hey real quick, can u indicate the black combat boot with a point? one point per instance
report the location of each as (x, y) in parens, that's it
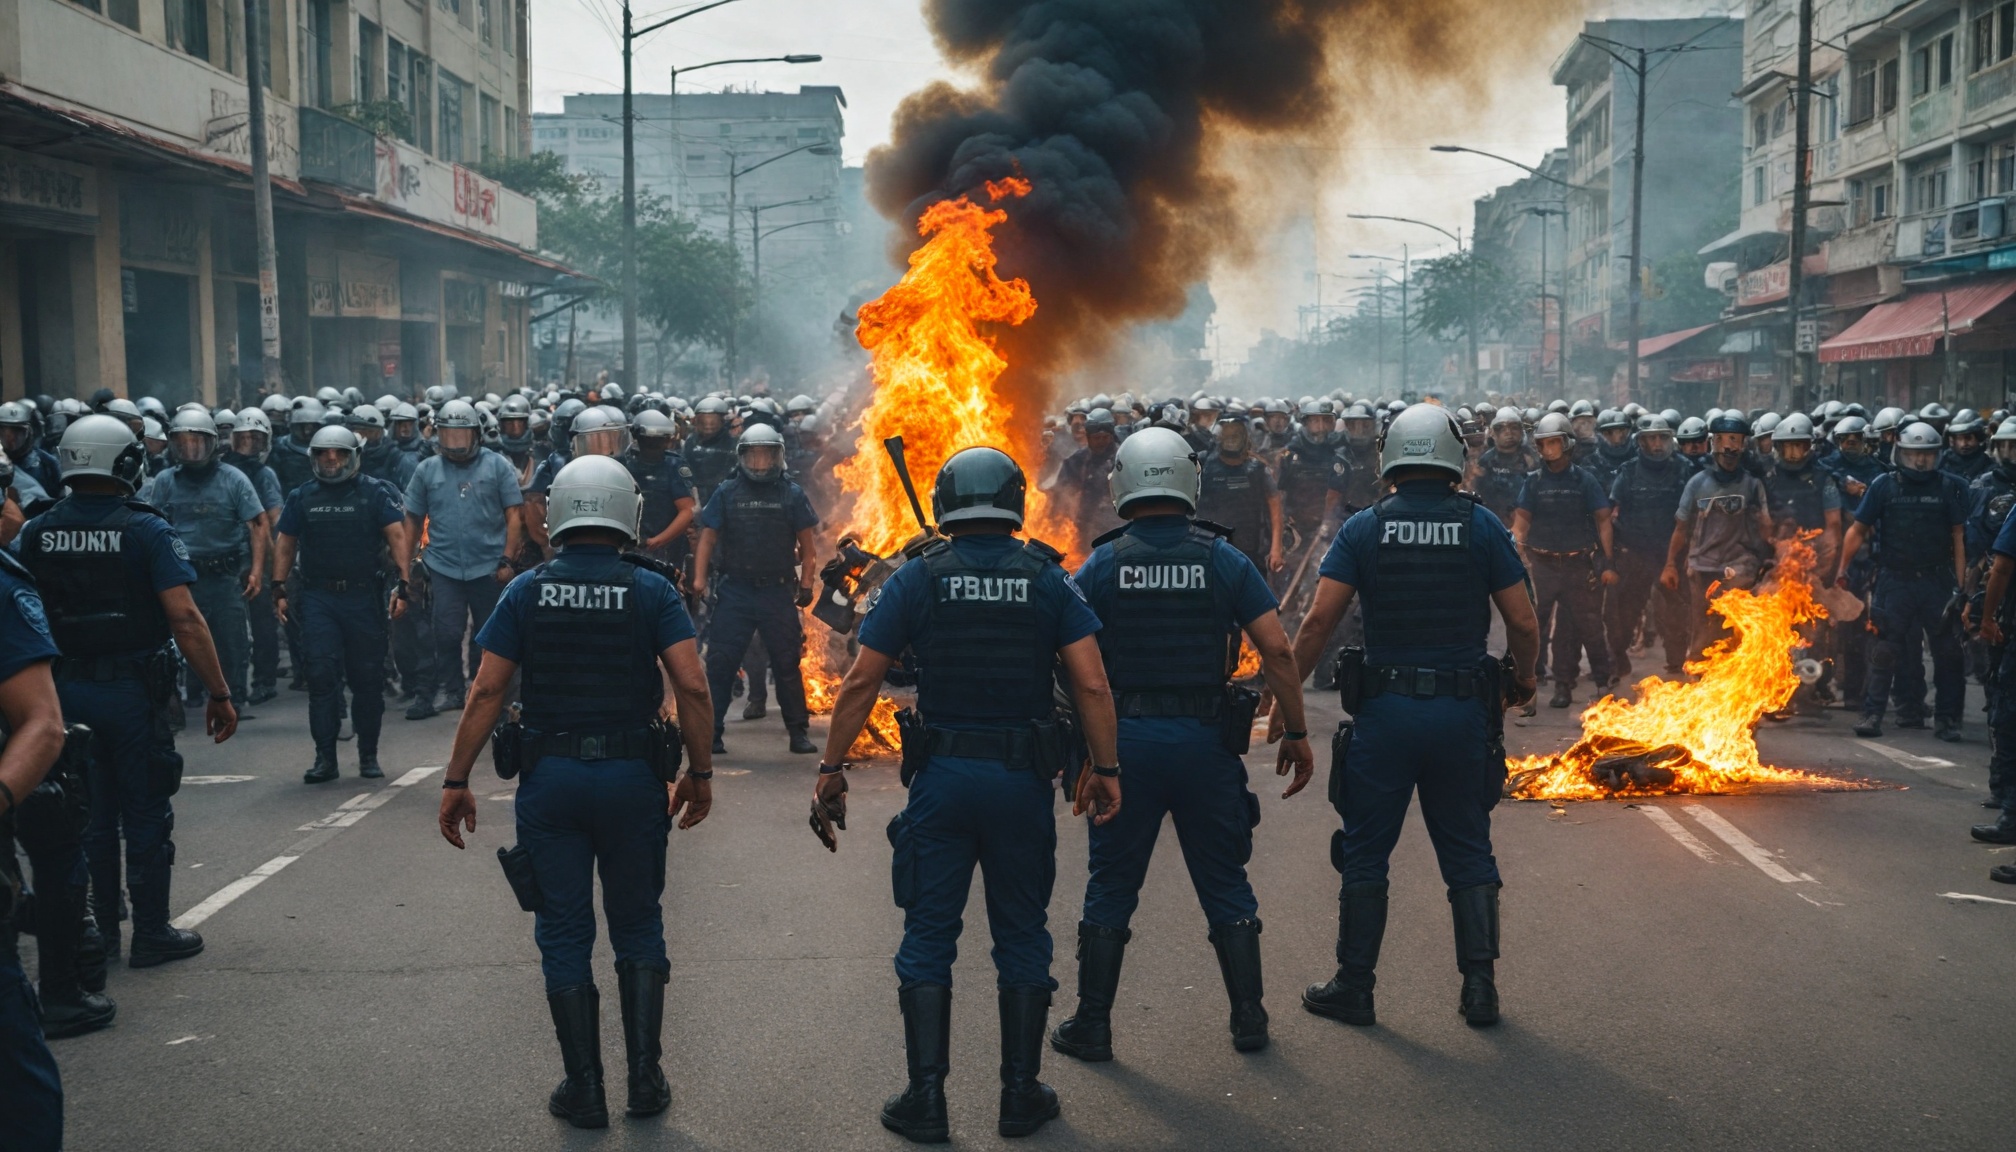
(642, 991)
(577, 1021)
(2003, 831)
(800, 743)
(1088, 1034)
(67, 1009)
(1361, 927)
(1475, 911)
(324, 769)
(1238, 946)
(1026, 1102)
(918, 1112)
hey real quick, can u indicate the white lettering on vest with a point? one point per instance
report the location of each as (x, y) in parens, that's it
(1162, 577)
(1422, 532)
(81, 540)
(593, 597)
(998, 589)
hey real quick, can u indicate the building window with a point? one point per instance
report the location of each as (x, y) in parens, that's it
(1757, 185)
(449, 143)
(1928, 185)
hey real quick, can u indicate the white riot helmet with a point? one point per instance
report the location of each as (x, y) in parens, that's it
(192, 435)
(599, 431)
(102, 446)
(593, 492)
(339, 438)
(1154, 463)
(1423, 436)
(759, 436)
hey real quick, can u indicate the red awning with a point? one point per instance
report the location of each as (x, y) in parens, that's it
(1913, 326)
(1650, 346)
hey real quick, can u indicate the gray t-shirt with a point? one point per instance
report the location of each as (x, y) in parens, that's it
(464, 506)
(209, 512)
(1724, 517)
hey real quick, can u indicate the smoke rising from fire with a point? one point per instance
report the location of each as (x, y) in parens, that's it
(1138, 123)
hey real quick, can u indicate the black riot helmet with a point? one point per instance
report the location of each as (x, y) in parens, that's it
(979, 484)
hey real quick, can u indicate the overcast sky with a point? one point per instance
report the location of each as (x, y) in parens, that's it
(879, 50)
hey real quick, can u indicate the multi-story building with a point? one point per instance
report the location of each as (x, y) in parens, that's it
(760, 168)
(127, 250)
(1692, 153)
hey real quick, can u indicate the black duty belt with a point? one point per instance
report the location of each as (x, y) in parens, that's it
(1015, 747)
(101, 669)
(627, 744)
(361, 584)
(1422, 683)
(760, 581)
(1192, 703)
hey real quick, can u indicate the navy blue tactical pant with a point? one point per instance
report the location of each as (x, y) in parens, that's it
(1203, 788)
(131, 779)
(742, 612)
(343, 637)
(964, 812)
(461, 608)
(221, 599)
(578, 816)
(1437, 746)
(31, 1090)
(1906, 611)
(1570, 603)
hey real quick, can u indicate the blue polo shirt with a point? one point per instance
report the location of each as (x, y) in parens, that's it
(1351, 560)
(464, 505)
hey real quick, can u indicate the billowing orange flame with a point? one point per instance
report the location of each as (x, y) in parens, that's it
(1703, 732)
(935, 371)
(878, 737)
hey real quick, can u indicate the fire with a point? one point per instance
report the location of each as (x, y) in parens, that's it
(878, 737)
(1698, 736)
(935, 369)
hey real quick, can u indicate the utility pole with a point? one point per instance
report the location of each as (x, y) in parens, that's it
(262, 199)
(1795, 270)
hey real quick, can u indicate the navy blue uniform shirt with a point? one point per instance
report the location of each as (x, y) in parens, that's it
(1350, 561)
(659, 608)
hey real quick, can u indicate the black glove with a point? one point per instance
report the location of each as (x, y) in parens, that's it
(804, 597)
(828, 815)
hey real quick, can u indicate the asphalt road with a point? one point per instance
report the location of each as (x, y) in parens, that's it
(1662, 989)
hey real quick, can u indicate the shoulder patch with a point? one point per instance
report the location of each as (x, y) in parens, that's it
(29, 605)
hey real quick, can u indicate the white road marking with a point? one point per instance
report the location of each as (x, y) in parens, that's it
(217, 779)
(1976, 899)
(232, 891)
(1745, 847)
(1906, 759)
(1688, 840)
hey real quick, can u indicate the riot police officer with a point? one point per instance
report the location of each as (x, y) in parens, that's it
(338, 526)
(1174, 598)
(989, 618)
(1563, 528)
(222, 522)
(115, 581)
(756, 536)
(666, 484)
(1500, 470)
(1645, 495)
(1430, 564)
(590, 634)
(1917, 516)
(1235, 492)
(710, 450)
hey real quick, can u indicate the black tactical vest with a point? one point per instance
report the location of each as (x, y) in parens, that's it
(1427, 587)
(712, 462)
(1235, 495)
(1914, 535)
(341, 537)
(588, 662)
(98, 604)
(1170, 622)
(1561, 520)
(1795, 496)
(757, 542)
(988, 656)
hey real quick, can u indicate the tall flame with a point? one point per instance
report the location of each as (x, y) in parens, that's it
(935, 371)
(1703, 732)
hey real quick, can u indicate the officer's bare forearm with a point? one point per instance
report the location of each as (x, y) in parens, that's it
(35, 730)
(1086, 670)
(1333, 599)
(1278, 667)
(696, 705)
(283, 557)
(192, 636)
(479, 713)
(858, 690)
(1998, 585)
(1522, 628)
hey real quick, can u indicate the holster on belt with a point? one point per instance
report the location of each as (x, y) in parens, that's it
(1351, 678)
(916, 739)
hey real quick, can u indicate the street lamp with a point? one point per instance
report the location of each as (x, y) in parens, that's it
(1405, 266)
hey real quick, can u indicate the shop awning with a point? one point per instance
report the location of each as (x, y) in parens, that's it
(1650, 346)
(1913, 326)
